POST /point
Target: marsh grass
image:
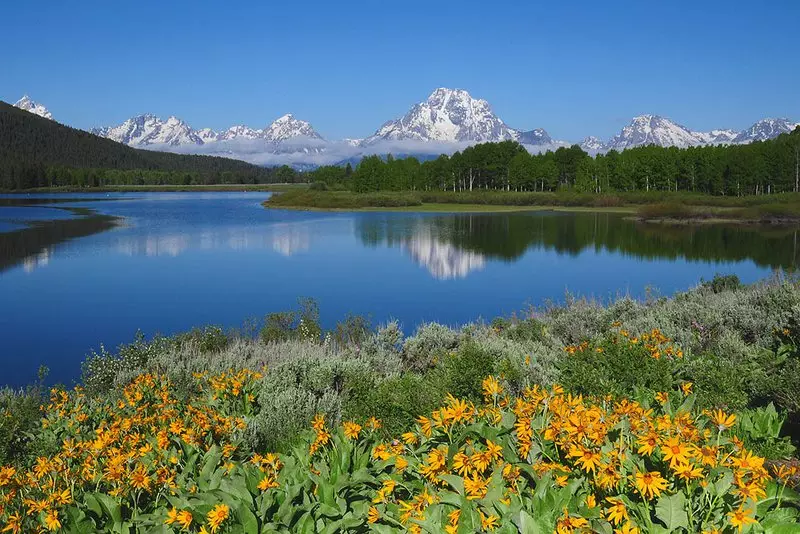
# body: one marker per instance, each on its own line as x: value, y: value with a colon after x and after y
x: 651, y: 205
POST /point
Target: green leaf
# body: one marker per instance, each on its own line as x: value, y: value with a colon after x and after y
x: 210, y: 462
x: 783, y: 528
x: 671, y: 510
x: 456, y: 482
x: 528, y: 525
x: 111, y: 507
x: 247, y: 519
x: 93, y: 504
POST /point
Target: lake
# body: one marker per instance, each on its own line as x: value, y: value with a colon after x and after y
x: 80, y: 270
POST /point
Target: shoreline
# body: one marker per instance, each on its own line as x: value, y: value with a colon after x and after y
x: 159, y: 188
x: 653, y: 210
x: 457, y: 208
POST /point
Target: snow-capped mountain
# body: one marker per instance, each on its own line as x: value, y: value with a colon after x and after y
x: 207, y: 135
x: 288, y: 127
x: 240, y: 131
x: 147, y: 129
x: 718, y: 137
x: 534, y: 137
x: 29, y: 105
x: 765, y: 129
x: 449, y: 115
x: 656, y: 130
x: 448, y: 120
x: 653, y: 130
x: 592, y: 144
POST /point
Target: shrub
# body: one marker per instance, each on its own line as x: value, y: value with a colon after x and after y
x: 19, y: 420
x: 300, y: 324
x: 617, y: 365
x: 670, y: 210
x: 431, y: 341
x: 354, y: 330
x: 722, y: 282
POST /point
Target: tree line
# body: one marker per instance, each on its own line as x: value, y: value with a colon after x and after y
x: 36, y: 152
x: 763, y: 167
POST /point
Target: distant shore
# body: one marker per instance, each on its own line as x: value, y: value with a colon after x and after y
x: 160, y: 188
x: 651, y: 208
x: 458, y: 208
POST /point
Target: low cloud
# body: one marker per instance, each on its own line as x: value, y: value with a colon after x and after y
x: 307, y: 152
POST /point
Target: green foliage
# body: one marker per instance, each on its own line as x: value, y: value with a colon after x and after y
x: 761, y: 430
x: 463, y: 371
x: 646, y: 174
x: 19, y: 419
x: 720, y: 382
x: 397, y: 401
x: 722, y: 282
x: 354, y: 330
x: 302, y: 324
x: 342, y: 200
x: 528, y: 329
x: 278, y: 326
x: 614, y: 366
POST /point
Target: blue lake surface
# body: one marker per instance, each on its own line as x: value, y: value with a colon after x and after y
x: 177, y: 260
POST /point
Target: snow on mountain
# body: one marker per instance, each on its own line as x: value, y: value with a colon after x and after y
x: 765, y: 129
x: 29, y: 105
x: 288, y: 127
x: 284, y: 135
x: 592, y: 144
x: 148, y: 129
x: 449, y: 120
x: 240, y: 131
x: 207, y: 135
x: 716, y: 137
x: 653, y: 130
x: 451, y: 115
x: 534, y: 137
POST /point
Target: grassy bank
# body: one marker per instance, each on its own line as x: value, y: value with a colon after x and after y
x: 163, y: 188
x: 770, y: 213
x: 693, y: 205
x: 482, y: 427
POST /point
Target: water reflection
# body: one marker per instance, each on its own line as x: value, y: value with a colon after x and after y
x: 31, y: 263
x: 453, y: 245
x: 286, y: 240
x: 152, y: 245
x: 32, y: 245
x: 290, y: 239
x: 442, y: 259
x: 448, y: 246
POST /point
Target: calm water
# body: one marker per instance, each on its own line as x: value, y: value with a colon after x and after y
x: 176, y: 260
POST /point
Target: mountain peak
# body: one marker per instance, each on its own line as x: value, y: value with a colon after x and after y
x: 766, y: 129
x: 592, y: 144
x: 537, y: 136
x: 148, y: 129
x: 448, y: 115
x: 288, y: 127
x: 28, y: 104
x: 651, y: 129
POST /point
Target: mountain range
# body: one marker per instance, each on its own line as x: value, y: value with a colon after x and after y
x: 448, y: 120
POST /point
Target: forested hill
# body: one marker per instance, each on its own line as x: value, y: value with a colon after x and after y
x: 37, y: 152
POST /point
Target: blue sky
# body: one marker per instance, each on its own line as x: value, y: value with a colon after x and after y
x: 574, y: 68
